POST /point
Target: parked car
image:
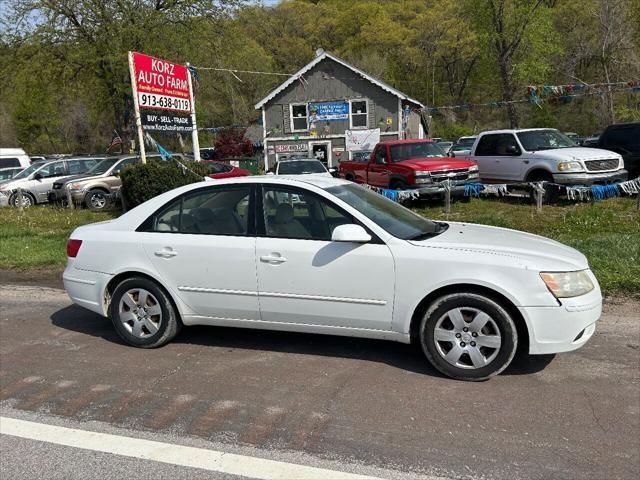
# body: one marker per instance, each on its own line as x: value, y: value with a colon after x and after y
x: 577, y: 139
x: 543, y: 154
x: 14, y: 158
x: 591, y: 141
x: 445, y: 146
x: 344, y: 261
x: 8, y: 173
x: 624, y: 139
x: 94, y: 188
x: 207, y: 153
x: 224, y: 170
x: 302, y: 166
x: 404, y: 164
x: 462, y: 147
x: 37, y: 179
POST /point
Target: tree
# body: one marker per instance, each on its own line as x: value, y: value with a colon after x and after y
x: 508, y: 23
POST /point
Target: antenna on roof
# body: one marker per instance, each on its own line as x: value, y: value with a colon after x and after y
x: 319, y: 52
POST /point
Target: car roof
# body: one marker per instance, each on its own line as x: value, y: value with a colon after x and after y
x: 298, y: 159
x: 408, y: 140
x: 517, y: 130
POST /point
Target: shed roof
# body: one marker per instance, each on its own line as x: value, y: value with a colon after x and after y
x: 322, y: 56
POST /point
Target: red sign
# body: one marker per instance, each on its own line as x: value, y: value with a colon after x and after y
x: 161, y: 84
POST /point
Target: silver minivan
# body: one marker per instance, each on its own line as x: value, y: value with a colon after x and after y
x: 36, y: 180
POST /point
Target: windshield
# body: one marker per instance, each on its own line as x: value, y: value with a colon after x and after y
x: 28, y: 171
x: 544, y: 140
x: 409, y: 151
x: 301, y: 167
x: 102, y: 167
x: 392, y: 217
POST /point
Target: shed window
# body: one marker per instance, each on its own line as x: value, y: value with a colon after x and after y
x: 299, y: 117
x: 359, y: 114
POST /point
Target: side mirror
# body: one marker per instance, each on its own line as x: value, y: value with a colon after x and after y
x: 350, y: 233
x: 512, y: 150
x: 37, y: 176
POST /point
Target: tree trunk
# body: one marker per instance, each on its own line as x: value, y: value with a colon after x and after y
x: 507, y: 92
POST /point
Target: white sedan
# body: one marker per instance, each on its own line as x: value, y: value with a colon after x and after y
x: 323, y: 255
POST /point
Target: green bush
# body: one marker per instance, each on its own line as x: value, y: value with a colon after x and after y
x: 143, y: 182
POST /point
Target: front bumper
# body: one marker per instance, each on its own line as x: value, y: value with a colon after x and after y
x: 565, y: 327
x: 60, y: 195
x: 4, y: 200
x: 590, y: 178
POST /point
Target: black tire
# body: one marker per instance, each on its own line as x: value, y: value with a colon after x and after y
x: 28, y: 200
x: 168, y: 324
x: 349, y: 176
x: 468, y: 304
x: 97, y: 200
x: 398, y: 185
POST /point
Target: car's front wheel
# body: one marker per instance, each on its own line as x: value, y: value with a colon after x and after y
x: 468, y: 336
x: 97, y: 199
x: 142, y: 313
x: 27, y: 200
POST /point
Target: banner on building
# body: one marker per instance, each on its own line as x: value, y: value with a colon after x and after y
x: 166, y: 122
x: 296, y: 147
x: 362, y: 140
x: 328, y: 111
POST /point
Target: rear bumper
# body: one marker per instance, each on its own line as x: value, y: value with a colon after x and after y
x: 590, y: 178
x: 85, y: 287
x: 563, y: 328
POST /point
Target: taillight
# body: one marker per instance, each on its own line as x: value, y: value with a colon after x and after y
x: 73, y: 246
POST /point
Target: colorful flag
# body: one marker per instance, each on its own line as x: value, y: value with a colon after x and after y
x: 115, y: 140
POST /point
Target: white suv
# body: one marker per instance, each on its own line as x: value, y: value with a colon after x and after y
x: 537, y: 154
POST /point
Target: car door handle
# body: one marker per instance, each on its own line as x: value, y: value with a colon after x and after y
x: 165, y: 253
x: 525, y: 161
x: 273, y: 258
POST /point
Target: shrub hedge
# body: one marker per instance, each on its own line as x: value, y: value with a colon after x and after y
x: 143, y: 182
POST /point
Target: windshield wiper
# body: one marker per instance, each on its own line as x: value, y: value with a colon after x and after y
x: 440, y: 227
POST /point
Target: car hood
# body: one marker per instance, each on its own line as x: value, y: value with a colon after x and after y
x: 576, y: 153
x: 437, y: 163
x: 528, y: 250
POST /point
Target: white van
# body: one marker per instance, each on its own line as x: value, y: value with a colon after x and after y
x: 14, y: 157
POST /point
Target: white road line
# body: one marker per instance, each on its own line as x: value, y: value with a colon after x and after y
x: 213, y: 460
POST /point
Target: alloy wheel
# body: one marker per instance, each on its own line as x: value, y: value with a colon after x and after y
x: 467, y: 338
x: 140, y: 313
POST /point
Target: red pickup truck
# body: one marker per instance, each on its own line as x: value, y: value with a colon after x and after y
x: 404, y: 164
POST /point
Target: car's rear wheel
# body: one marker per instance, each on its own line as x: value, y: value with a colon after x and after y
x: 468, y: 336
x: 96, y: 199
x: 27, y: 200
x: 142, y: 313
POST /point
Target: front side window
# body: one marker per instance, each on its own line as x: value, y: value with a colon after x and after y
x: 124, y: 163
x: 535, y: 140
x: 299, y: 117
x: 359, y: 114
x: 293, y: 213
x: 217, y: 211
x: 54, y: 169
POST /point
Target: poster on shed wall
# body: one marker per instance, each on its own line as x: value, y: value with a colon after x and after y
x: 362, y: 140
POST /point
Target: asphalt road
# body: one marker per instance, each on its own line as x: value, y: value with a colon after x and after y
x: 350, y: 405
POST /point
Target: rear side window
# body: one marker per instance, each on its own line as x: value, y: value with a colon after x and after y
x: 495, y: 145
x: 9, y: 162
x: 210, y: 211
x: 80, y: 166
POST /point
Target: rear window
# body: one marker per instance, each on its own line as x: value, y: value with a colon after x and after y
x: 9, y: 162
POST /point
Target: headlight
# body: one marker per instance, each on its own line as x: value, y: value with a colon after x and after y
x: 567, y: 284
x: 570, y: 167
x: 473, y: 169
x: 75, y: 186
x: 423, y: 176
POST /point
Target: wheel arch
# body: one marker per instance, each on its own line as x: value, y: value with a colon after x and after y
x: 26, y: 192
x: 504, y: 301
x: 120, y: 277
x: 538, y: 169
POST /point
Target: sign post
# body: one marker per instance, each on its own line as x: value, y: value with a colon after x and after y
x: 162, y: 85
x: 194, y: 132
x: 136, y: 108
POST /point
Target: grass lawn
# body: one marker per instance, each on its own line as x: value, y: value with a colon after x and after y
x: 607, y: 232
x: 37, y: 236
